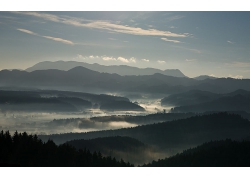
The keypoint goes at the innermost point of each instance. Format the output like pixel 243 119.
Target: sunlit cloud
pixel 123 59
pixel 146 60
pixel 106 25
pixel 133 60
pixel 212 75
pixel 161 62
pixel 105 58
pixel 230 42
pixel 236 76
pixel 79 56
pixel 27 31
pixel 59 40
pixel 169 40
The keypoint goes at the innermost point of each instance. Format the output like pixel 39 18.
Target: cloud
pixel 235 77
pixel 59 40
pixel 161 62
pixel 122 59
pixel 190 60
pixel 169 40
pixel 105 58
pixel 113 39
pixel 172 18
pixel 125 41
pixel 104 25
pixel 133 60
pixel 27 31
pixel 47 37
pixel 79 56
pixel 146 60
pixel 238 64
pixel 212 75
pixel 230 42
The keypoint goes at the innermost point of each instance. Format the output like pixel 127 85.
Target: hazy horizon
pixel 196 43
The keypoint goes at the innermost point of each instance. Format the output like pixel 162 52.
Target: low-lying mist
pixel 84 121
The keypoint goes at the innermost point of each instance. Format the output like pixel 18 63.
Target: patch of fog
pixel 41 122
pixel 153 106
pixel 121 124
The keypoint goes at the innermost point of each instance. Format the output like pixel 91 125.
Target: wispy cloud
pixel 27 31
pixel 146 60
pixel 47 37
pixel 230 42
pixel 161 62
pixel 59 40
pixel 104 25
pixel 113 39
pixel 172 18
pixel 169 40
pixel 189 49
pixel 190 60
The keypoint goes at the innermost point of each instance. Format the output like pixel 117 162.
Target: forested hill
pixel 182 134
pixel 224 153
pixel 29 151
pixel 126 148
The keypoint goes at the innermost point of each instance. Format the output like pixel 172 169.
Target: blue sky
pixel 197 43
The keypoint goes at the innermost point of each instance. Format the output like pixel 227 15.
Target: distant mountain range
pixel 86 80
pixel 122 70
pixel 202 77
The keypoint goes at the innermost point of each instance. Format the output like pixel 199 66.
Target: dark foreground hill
pixel 174 136
pixel 126 148
pixel 29 151
pixel 224 153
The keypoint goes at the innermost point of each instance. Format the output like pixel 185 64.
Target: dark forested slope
pixel 224 153
pixel 180 134
pixel 29 151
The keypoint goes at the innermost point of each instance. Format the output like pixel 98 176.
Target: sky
pixel 213 43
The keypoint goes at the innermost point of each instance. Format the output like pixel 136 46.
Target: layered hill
pixel 126 148
pixel 122 70
pixel 83 79
pixel 224 153
pixel 174 136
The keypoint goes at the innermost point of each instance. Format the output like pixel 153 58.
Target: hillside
pixel 224 153
pixel 174 136
pixel 126 148
pixel 227 103
pixel 26 150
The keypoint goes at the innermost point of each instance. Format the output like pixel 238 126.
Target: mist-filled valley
pixel 140 118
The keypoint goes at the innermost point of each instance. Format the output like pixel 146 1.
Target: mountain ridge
pixel 118 69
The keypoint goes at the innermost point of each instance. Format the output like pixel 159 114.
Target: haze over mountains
pixel 83 79
pixel 122 70
pixel 69 89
